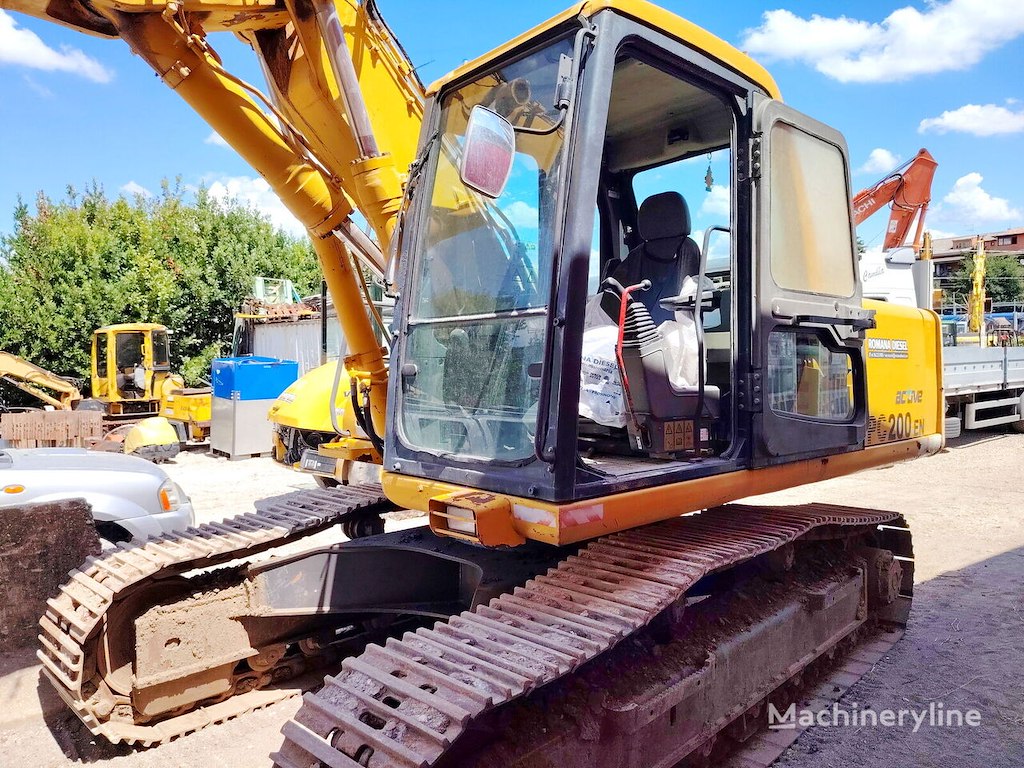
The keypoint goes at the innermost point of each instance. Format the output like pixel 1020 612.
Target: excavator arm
pixel 35 381
pixel 908 189
pixel 324 150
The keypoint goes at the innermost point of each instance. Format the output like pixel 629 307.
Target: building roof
pixel 943 246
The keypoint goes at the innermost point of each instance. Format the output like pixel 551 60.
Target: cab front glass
pixel 481 273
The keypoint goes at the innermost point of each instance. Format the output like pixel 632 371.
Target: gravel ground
pixel 962 649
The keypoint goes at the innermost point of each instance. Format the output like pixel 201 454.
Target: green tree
pixel 1004 278
pixel 181 259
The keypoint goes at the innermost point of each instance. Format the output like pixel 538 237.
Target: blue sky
pixel 892 76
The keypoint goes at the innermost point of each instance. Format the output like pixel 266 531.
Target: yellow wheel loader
pixel 132 378
pixel 576 395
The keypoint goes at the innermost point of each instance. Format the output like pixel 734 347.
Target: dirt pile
pixel 39 544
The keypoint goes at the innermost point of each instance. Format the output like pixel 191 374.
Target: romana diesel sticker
pixel 888 349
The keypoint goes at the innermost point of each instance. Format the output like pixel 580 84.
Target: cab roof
pixel 645 13
pixel 132 327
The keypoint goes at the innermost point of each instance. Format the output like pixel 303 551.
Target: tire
pixel 326 482
pixel 111 534
pixel 953 427
pixel 363 526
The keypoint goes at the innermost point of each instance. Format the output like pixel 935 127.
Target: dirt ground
pixel 962 648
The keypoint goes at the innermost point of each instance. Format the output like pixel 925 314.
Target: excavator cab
pixel 645 210
pixel 130 363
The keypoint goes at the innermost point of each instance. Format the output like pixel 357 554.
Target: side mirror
pixel 902 255
pixel 488 153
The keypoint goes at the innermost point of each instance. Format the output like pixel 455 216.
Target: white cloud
pixel 216 140
pixel 257 194
pixel 945 36
pixel 880 161
pixel 970 206
pixel 23 47
pixel 133 188
pixel 716 203
pixel 522 214
pixel 978 119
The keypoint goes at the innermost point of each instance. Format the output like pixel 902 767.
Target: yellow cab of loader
pixel 132 377
pixel 130 363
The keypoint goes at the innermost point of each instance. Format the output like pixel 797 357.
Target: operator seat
pixel 665 257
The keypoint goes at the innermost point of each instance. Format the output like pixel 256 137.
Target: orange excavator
pixel 909 191
pixel 901 273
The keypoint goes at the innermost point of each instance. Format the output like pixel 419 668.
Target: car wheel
pixel 111 535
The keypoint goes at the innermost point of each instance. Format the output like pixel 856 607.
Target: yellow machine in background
pixel 131 376
pixel 63 395
pixel 155 438
pixel 976 299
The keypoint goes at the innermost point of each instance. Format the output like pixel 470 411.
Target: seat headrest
pixel 663 216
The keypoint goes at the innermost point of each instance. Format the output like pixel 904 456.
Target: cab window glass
pixel 811 240
pixel 101 354
pixel 128 350
pixel 806 378
pixel 161 353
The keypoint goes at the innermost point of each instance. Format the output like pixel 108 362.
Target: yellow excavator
pixel 575 392
pixel 131 376
pixel 146 407
pixel 58 392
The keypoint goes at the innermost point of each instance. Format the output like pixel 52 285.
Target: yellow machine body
pixel 191 408
pixel 154 439
pixel 131 376
pixel 130 365
pixel 302 420
pixel 904 364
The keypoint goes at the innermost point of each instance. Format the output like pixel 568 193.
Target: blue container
pixel 252 378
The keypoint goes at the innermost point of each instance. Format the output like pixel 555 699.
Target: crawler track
pixel 71 627
pixel 404 704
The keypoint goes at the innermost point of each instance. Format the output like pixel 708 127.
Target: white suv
pixel 130 497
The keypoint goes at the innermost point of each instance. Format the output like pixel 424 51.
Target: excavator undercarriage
pixel 676 629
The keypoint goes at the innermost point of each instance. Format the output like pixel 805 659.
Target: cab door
pixel 807 388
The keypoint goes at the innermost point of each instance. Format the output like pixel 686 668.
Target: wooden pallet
pixel 51 429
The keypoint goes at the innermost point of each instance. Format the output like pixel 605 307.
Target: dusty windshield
pixel 482 269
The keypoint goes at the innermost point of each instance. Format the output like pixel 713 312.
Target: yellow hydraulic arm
pixel 336 132
pixel 976 299
pixel 32 379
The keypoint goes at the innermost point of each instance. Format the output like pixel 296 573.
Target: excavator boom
pixel 33 380
pixel 323 148
pixel 908 191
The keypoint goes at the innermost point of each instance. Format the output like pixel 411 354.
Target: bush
pixel 180 259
